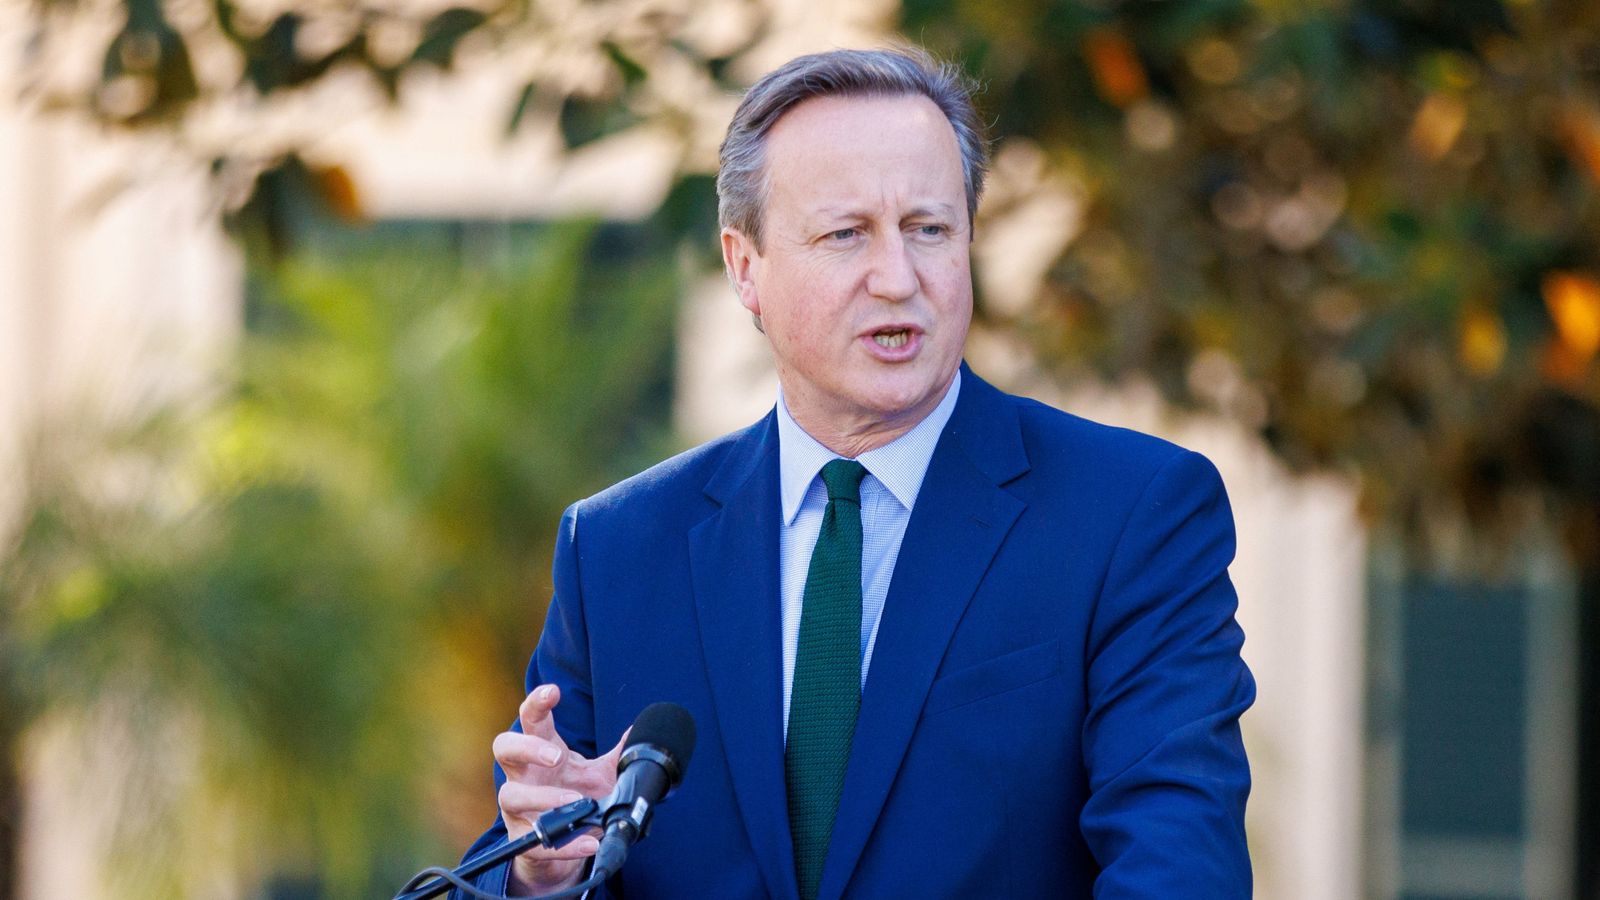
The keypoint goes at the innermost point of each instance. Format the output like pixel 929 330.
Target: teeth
pixel 892 339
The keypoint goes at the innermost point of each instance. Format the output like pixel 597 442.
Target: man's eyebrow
pixel 831 213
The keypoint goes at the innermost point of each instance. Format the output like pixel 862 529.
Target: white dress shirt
pixel 888 493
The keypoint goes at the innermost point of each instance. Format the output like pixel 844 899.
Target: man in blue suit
pixel 939 641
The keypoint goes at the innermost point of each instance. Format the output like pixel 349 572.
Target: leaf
pixel 1118 74
pixel 146 72
pixel 443 32
pixel 338 191
pixel 632 72
pixel 586 119
pixel 525 99
pixel 272 60
pixel 1437 125
pixel 226 13
pixel 1573 300
pixel 1482 344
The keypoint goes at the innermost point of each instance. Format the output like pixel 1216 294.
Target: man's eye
pixel 843 234
pixel 931 230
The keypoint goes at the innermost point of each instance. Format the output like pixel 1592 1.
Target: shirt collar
pixel 898 465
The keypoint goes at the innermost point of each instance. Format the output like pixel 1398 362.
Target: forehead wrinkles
pixel 840 158
pixel 845 129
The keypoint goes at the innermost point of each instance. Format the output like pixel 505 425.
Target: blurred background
pixel 315 314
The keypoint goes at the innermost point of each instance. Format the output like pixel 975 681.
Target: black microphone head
pixel 667 727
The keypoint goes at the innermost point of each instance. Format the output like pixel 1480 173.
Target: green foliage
pixel 1367 230
pixel 443 32
pixel 585 119
pixel 335 613
pixel 256 56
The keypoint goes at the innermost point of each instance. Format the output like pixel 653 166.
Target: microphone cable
pixel 471 890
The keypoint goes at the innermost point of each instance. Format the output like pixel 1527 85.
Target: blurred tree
pixel 210 73
pixel 327 591
pixel 1366 229
pixel 321 594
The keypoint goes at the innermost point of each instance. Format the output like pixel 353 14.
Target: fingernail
pixel 571 797
pixel 550 756
pixel 544 692
pixel 588 845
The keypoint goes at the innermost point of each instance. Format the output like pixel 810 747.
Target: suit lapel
pixel 961 518
pixel 734 564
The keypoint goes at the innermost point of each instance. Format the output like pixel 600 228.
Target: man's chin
pixel 894 403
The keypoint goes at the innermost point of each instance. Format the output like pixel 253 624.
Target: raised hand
pixel 541 774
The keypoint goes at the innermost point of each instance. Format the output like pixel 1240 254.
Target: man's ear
pixel 739 257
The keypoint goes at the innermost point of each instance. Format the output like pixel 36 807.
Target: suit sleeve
pixel 1166 686
pixel 561 658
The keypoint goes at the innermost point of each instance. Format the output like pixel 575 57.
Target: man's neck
pixel 852 434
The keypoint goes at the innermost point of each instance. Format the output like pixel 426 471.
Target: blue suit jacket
pixel 1052 707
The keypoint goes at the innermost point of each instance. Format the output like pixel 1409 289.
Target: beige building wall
pixel 119 295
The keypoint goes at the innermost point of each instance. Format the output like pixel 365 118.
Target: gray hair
pixel 741 172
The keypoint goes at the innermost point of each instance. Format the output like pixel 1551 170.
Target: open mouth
pixel 892 338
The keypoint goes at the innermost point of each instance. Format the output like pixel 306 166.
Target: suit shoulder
pixel 1082 465
pixel 674 483
pixel 1056 434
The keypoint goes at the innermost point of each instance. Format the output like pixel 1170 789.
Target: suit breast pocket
pixel 992 677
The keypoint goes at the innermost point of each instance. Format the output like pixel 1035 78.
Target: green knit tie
pixel 826 693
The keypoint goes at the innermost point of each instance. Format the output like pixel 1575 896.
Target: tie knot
pixel 843 478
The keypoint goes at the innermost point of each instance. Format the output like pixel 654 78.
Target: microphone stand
pixel 555 828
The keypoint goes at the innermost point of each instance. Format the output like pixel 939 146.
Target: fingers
pixel 522 804
pixel 535 712
pixel 522 752
pixel 538 755
pixel 542 773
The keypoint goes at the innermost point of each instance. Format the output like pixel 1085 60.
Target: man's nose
pixel 893 272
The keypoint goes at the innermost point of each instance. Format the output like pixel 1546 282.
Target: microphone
pixel 651 766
